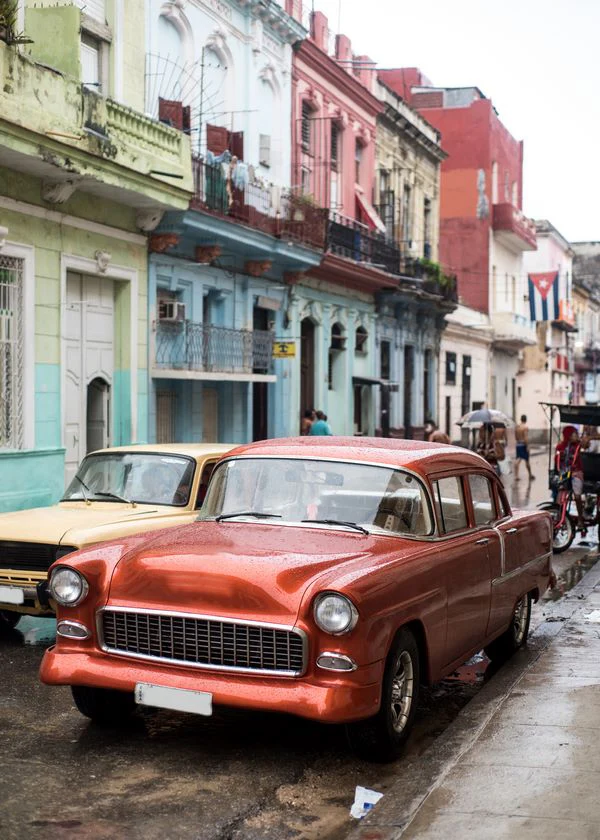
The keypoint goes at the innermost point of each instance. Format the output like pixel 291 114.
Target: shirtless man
pixel 522 439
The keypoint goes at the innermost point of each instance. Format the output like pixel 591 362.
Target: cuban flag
pixel 543 296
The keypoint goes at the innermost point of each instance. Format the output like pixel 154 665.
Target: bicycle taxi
pixel 563 507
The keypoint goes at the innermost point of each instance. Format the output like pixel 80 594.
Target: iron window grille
pixel 11 352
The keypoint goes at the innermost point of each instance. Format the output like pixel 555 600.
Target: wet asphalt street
pixel 234 776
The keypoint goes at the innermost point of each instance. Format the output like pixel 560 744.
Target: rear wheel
pixel 104 705
pixel 9 620
pixel 516 635
pixel 382 737
pixel 563 536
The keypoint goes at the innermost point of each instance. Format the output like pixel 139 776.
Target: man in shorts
pixel 522 439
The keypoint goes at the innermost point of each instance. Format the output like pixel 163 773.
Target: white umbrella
pixel 481 416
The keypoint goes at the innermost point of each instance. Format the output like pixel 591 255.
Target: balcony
pixel 271 209
pixel 429 277
pixel 566 317
pixel 75 139
pixel 513 229
pixel 355 241
pixel 188 350
pixel 513 332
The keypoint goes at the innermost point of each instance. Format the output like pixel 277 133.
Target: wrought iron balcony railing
pixel 349 238
pixel 271 209
pixel 186 345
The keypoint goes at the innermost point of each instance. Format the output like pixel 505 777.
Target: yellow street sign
pixel 284 349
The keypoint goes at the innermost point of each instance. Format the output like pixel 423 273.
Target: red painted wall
pixel 474 138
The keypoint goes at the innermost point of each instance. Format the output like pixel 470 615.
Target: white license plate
pixel 11 595
pixel 178 699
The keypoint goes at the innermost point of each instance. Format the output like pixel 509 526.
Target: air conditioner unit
pixel 171 310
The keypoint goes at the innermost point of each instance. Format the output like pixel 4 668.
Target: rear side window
pixel 483 500
pixel 450 504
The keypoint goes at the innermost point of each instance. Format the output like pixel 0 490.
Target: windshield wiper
pixel 255 513
pixel 84 487
pixel 114 496
pixel 354 525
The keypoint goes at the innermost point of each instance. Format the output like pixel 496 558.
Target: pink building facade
pixel 334 123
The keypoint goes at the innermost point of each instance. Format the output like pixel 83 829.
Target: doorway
pixel 210 415
pixel 409 375
pixel 260 390
pixel 98 415
pixel 307 365
pixel 89 329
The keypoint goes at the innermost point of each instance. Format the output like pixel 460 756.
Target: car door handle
pixel 482 541
pixel 512 530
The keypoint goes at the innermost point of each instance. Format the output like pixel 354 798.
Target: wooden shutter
pixel 170 111
pixel 217 139
pixel 237 144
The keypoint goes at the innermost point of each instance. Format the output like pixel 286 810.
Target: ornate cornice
pixel 325 65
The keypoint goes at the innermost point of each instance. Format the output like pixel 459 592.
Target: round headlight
pixel 68 587
pixel 335 613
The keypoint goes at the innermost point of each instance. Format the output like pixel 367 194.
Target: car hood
pixel 74 523
pixel 240 570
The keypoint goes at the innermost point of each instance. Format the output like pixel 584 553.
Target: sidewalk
pixel 522 758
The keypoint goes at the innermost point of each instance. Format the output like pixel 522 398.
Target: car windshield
pixel 144 477
pixel 336 493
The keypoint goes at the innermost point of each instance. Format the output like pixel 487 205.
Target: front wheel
pixel 104 705
pixel 9 620
pixel 516 635
pixel 382 737
pixel 563 535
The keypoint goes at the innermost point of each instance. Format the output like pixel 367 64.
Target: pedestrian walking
pixel 307 421
pixel 522 451
pixel 490 447
pixel 435 435
pixel 320 425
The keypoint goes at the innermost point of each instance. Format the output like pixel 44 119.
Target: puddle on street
pixel 569 577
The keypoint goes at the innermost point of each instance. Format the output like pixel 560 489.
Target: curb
pixel 419 778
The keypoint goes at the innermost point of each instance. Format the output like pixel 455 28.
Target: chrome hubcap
pixel 402 691
pixel 520 619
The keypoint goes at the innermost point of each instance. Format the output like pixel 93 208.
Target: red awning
pixel 369 212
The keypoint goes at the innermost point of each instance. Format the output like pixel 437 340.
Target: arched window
pixel 214 88
pixel 337 345
pixel 360 340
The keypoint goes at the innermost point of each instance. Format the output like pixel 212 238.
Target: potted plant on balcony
pixel 8 24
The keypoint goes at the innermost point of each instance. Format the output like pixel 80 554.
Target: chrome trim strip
pixel 201 665
pixel 336 655
pixel 70 623
pixel 515 572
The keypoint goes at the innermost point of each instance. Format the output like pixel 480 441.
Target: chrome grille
pixel 203 641
pixel 28 556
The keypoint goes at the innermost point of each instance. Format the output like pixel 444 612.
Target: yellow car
pixel 115 493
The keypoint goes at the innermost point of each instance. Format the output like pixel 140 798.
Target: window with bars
pixel 306 126
pixel 11 352
pixel 335 146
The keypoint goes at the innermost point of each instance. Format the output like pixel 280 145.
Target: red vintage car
pixel 328 579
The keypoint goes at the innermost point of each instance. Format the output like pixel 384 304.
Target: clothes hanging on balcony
pixel 240 176
pixel 216 181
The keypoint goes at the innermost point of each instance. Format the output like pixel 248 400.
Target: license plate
pixel 177 699
pixel 11 595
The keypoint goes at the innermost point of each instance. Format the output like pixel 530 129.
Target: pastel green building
pixel 84 178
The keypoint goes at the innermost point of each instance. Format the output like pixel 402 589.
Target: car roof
pixel 193 450
pixel 422 456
